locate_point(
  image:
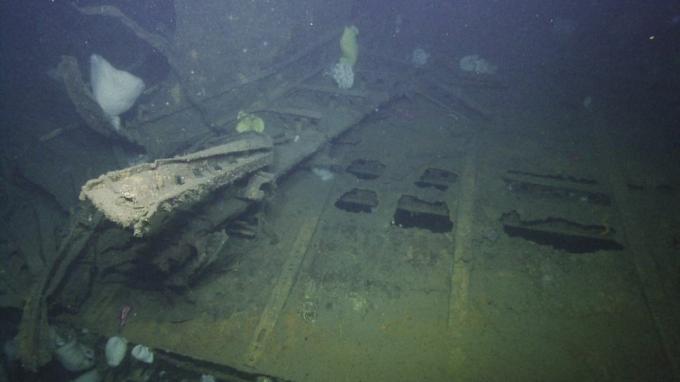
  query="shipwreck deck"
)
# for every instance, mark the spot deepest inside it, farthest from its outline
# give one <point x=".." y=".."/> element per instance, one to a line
<point x="331" y="294"/>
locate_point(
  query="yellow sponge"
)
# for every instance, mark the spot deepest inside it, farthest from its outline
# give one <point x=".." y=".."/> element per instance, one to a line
<point x="249" y="122"/>
<point x="349" y="45"/>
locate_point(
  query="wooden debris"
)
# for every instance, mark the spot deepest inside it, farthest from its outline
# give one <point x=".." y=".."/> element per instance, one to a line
<point x="303" y="113"/>
<point x="441" y="104"/>
<point x="335" y="90"/>
<point x="145" y="196"/>
<point x="208" y="249"/>
<point x="57" y="132"/>
<point x="34" y="340"/>
<point x="253" y="190"/>
<point x="157" y="41"/>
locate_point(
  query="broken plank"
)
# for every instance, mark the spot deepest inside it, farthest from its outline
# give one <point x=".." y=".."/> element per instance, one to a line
<point x="333" y="90"/>
<point x="280" y="292"/>
<point x="304" y="113"/>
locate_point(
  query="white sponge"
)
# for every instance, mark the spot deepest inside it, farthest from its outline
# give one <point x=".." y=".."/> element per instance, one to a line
<point x="114" y="90"/>
<point x="115" y="350"/>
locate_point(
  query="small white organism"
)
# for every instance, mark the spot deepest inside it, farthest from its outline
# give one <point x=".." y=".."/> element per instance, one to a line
<point x="323" y="173"/>
<point x="473" y="63"/>
<point x="419" y="57"/>
<point x="343" y="74"/>
<point x="588" y="102"/>
<point x="142" y="353"/>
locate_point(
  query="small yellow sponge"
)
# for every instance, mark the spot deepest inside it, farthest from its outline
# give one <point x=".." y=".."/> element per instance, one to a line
<point x="349" y="45"/>
<point x="249" y="122"/>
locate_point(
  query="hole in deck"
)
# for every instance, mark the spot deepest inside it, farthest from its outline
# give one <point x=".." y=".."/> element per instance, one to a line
<point x="413" y="212"/>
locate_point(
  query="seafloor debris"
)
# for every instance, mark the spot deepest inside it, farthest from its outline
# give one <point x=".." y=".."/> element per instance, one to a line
<point x="146" y="196"/>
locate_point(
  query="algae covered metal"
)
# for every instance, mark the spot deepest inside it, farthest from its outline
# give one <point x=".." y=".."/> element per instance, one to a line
<point x="146" y="196"/>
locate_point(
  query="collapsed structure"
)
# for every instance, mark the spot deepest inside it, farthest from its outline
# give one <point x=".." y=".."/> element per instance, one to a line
<point x="167" y="216"/>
